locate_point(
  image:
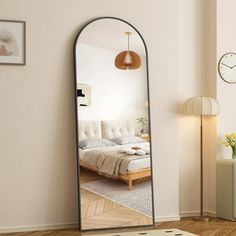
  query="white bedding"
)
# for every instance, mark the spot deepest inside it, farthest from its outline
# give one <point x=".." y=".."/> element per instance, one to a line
<point x="134" y="165"/>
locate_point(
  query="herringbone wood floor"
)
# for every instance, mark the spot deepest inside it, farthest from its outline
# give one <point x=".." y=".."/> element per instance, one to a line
<point x="99" y="212"/>
<point x="216" y="227"/>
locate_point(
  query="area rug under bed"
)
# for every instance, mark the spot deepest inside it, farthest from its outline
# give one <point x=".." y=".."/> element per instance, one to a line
<point x="138" y="199"/>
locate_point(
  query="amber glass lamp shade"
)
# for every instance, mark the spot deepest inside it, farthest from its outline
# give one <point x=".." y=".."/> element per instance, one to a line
<point x="127" y="60"/>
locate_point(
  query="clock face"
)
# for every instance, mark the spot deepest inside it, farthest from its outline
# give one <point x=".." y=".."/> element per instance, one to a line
<point x="227" y="67"/>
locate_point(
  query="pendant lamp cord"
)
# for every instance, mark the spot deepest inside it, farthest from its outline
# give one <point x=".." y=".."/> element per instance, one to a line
<point x="128" y="41"/>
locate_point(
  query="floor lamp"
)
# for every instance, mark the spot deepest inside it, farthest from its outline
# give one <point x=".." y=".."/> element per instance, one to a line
<point x="201" y="106"/>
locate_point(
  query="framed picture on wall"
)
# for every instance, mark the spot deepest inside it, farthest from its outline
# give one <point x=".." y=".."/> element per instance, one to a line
<point x="12" y="42"/>
<point x="84" y="95"/>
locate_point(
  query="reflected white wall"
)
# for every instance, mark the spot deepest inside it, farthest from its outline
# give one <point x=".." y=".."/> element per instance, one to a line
<point x="115" y="94"/>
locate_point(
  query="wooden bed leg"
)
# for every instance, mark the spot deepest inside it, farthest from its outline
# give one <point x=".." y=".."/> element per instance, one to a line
<point x="130" y="184"/>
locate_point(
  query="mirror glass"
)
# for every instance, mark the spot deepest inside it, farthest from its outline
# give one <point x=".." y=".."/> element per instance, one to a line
<point x="114" y="153"/>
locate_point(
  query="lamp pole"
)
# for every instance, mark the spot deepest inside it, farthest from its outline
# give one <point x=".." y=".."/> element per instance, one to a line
<point x="201" y="217"/>
<point x="201" y="167"/>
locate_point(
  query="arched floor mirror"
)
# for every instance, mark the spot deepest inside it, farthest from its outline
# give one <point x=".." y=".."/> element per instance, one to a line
<point x="113" y="126"/>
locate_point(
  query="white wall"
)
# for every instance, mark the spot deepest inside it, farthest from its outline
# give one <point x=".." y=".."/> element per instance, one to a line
<point x="210" y="123"/>
<point x="196" y="72"/>
<point x="191" y="59"/>
<point x="116" y="94"/>
<point x="226" y="93"/>
<point x="37" y="154"/>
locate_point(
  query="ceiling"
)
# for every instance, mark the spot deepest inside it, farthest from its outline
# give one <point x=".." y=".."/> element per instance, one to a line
<point x="109" y="33"/>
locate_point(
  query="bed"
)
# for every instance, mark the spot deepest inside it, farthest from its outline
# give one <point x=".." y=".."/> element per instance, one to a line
<point x="132" y="168"/>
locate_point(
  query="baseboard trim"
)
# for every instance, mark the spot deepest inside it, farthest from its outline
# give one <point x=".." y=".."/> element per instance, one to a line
<point x="37" y="228"/>
<point x="196" y="213"/>
<point x="211" y="213"/>
<point x="167" y="218"/>
<point x="75" y="225"/>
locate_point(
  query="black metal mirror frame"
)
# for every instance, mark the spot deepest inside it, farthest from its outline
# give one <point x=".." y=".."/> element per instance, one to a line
<point x="77" y="126"/>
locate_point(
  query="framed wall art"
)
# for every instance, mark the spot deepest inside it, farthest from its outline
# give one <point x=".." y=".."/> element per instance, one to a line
<point x="12" y="42"/>
<point x="84" y="95"/>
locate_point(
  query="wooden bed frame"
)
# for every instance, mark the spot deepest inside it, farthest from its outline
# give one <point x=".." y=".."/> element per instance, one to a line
<point x="137" y="176"/>
<point x="111" y="129"/>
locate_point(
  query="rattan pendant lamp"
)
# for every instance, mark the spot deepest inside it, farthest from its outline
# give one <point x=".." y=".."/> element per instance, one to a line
<point x="128" y="60"/>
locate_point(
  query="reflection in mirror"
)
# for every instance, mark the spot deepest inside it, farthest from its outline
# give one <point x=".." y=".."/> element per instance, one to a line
<point x="115" y="182"/>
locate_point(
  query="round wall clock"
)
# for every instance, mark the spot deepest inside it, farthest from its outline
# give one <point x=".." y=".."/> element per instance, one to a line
<point x="227" y="67"/>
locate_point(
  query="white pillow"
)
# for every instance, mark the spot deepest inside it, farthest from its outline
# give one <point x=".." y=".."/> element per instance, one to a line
<point x="141" y="152"/>
<point x="95" y="142"/>
<point x="147" y="150"/>
<point x="131" y="152"/>
<point x="127" y="139"/>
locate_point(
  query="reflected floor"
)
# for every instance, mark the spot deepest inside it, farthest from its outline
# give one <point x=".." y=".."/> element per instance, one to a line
<point x="100" y="212"/>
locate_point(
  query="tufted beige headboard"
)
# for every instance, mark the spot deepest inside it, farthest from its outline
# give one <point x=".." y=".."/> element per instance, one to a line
<point x="89" y="129"/>
<point x="117" y="128"/>
<point x="105" y="129"/>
